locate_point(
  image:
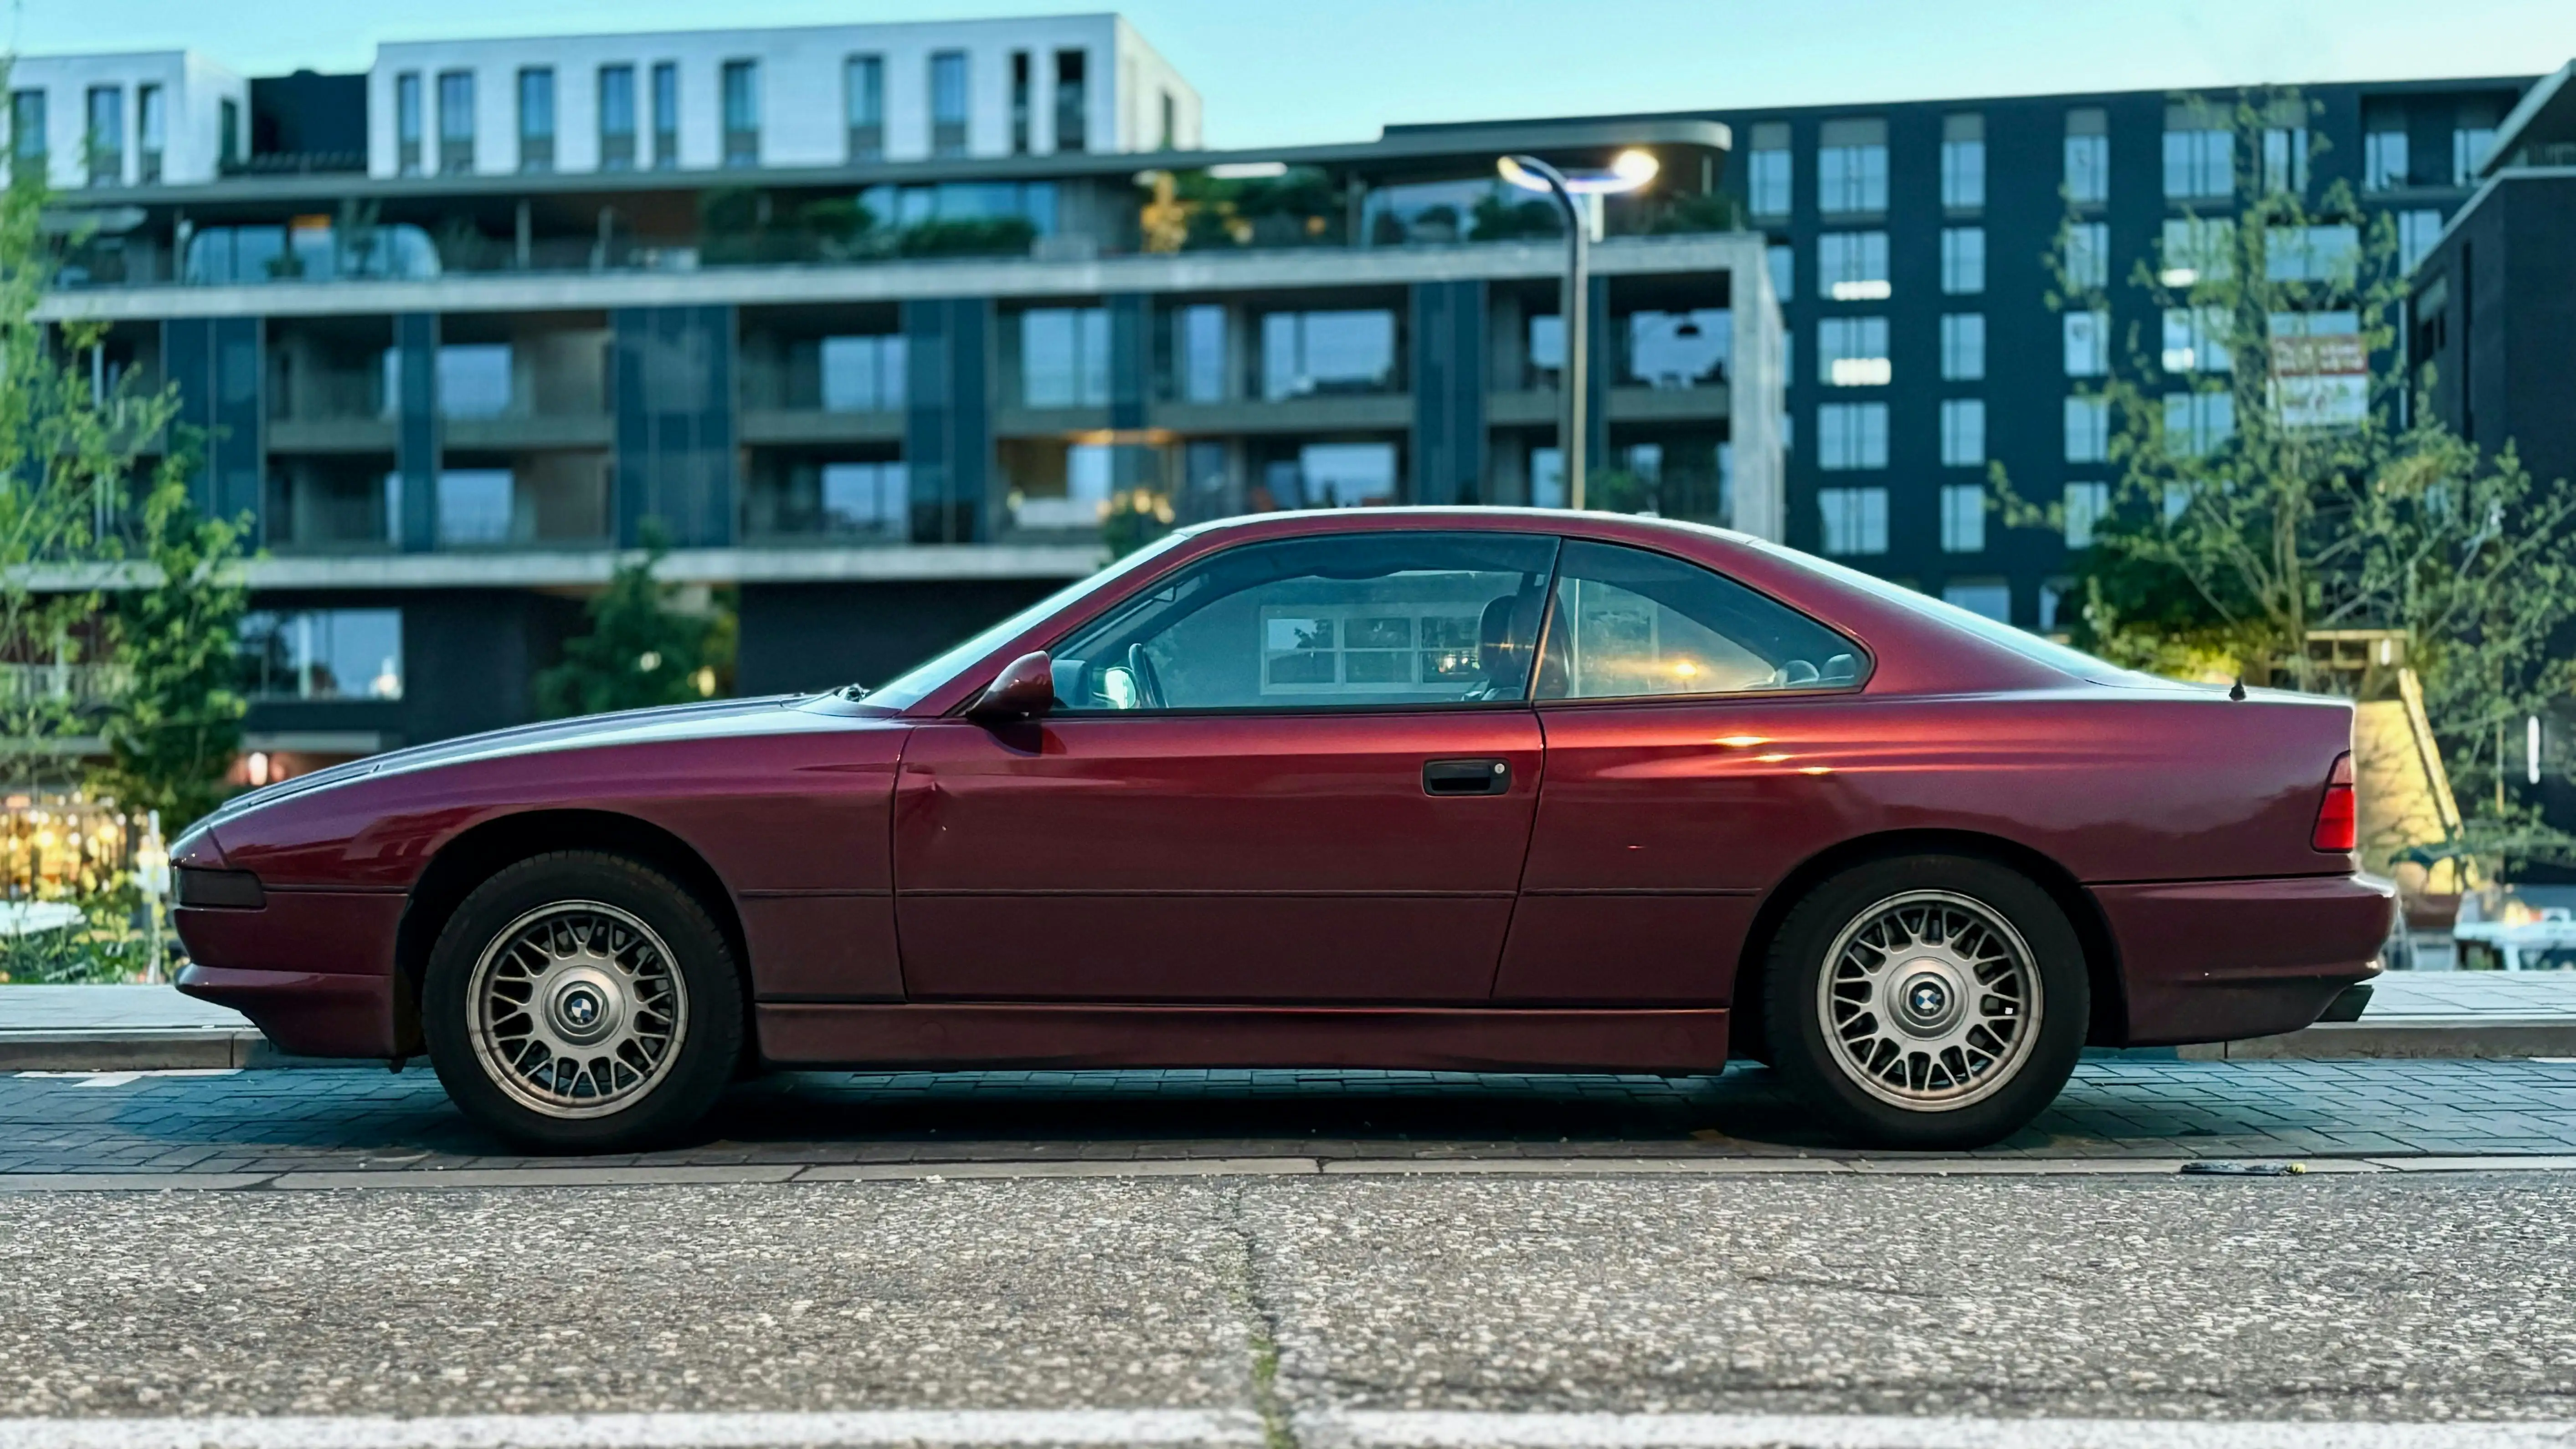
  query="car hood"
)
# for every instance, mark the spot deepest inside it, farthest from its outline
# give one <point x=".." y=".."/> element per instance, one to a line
<point x="632" y="726"/>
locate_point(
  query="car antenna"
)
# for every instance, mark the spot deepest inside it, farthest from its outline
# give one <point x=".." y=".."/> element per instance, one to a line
<point x="2237" y="690"/>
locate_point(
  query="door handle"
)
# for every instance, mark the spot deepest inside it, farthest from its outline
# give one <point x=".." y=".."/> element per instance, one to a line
<point x="1466" y="777"/>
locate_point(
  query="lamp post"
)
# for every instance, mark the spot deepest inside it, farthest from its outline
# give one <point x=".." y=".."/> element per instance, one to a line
<point x="1629" y="171"/>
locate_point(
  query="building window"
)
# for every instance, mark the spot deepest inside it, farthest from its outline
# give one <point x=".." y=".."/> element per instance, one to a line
<point x="537" y="119"/>
<point x="2088" y="256"/>
<point x="2198" y="249"/>
<point x="1021" y="81"/>
<point x="1783" y="260"/>
<point x="1353" y="475"/>
<point x="407" y="132"/>
<point x="2198" y="423"/>
<point x="151" y="132"/>
<point x="1963" y="162"/>
<point x="1963" y="432"/>
<point x="1963" y="346"/>
<point x="617" y="118"/>
<point x="27" y="133"/>
<point x="1851" y="436"/>
<point x="2416" y="233"/>
<point x="1064" y="357"/>
<point x="1852" y="351"/>
<point x="2088" y="430"/>
<point x="2285" y="159"/>
<point x="228" y="135"/>
<point x="948" y="103"/>
<point x="741" y="95"/>
<point x="323" y="653"/>
<point x="2088" y="156"/>
<point x="1767" y="174"/>
<point x="1304" y="353"/>
<point x="1851" y="266"/>
<point x="2312" y="253"/>
<point x="2196" y="340"/>
<point x="455" y="121"/>
<point x="105" y="143"/>
<point x="1851" y="167"/>
<point x="2088" y="343"/>
<point x="862" y="374"/>
<point x="1963" y="260"/>
<point x="1171" y="121"/>
<point x="2469" y="148"/>
<point x="1198" y="353"/>
<point x="863" y="93"/>
<point x="1072" y="102"/>
<point x="1991" y="598"/>
<point x="2086" y="505"/>
<point x="2383" y="160"/>
<point x="1963" y="518"/>
<point x="666" y="116"/>
<point x="1854" y="519"/>
<point x="2200" y="156"/>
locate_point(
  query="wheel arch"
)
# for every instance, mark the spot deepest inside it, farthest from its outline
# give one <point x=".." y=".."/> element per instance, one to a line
<point x="477" y="853"/>
<point x="2109" y="1025"/>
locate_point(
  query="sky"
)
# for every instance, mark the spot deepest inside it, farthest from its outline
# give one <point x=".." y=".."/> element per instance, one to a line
<point x="1336" y="70"/>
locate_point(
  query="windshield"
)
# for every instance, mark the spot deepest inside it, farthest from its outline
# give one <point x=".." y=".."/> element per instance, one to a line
<point x="910" y="687"/>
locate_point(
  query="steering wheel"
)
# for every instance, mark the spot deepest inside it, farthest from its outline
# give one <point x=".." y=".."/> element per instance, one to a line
<point x="1149" y="685"/>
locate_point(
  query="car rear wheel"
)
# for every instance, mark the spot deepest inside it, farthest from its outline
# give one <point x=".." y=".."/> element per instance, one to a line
<point x="581" y="1001"/>
<point x="1928" y="1002"/>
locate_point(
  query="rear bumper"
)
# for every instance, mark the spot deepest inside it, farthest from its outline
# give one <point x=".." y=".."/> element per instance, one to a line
<point x="2225" y="960"/>
<point x="314" y="970"/>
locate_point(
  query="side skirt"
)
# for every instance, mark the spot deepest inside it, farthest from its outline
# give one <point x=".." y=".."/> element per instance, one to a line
<point x="1489" y="1039"/>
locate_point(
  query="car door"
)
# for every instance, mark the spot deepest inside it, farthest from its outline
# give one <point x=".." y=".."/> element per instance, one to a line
<point x="1301" y="770"/>
<point x="1693" y="728"/>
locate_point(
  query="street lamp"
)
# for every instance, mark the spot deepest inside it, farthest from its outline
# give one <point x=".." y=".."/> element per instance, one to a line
<point x="1629" y="171"/>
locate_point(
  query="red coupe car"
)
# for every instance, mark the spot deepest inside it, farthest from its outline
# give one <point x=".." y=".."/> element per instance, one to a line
<point x="1470" y="788"/>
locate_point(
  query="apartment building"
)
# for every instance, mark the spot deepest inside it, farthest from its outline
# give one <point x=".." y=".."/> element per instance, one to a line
<point x="874" y="325"/>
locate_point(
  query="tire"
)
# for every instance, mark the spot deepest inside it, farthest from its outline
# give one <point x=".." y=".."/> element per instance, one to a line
<point x="1868" y="1020"/>
<point x="638" y="1019"/>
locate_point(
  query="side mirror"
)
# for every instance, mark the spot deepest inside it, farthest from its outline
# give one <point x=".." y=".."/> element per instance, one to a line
<point x="1024" y="690"/>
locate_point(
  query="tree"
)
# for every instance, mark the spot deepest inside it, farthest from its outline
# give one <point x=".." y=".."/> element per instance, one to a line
<point x="2277" y="474"/>
<point x="640" y="650"/>
<point x="177" y="724"/>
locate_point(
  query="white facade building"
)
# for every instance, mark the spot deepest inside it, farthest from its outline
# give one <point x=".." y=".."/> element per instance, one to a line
<point x="774" y="98"/>
<point x="170" y="116"/>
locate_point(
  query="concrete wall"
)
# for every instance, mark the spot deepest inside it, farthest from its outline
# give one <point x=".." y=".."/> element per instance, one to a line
<point x="194" y="86"/>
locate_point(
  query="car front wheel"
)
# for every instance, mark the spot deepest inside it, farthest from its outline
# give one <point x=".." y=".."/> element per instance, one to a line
<point x="1927" y="1002"/>
<point x="581" y="1001"/>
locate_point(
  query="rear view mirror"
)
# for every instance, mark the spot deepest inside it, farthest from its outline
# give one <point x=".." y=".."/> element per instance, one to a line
<point x="1024" y="690"/>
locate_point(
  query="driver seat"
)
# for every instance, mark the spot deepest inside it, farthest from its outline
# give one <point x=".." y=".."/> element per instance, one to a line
<point x="1498" y="654"/>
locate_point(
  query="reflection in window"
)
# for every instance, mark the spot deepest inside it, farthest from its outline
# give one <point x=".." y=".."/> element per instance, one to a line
<point x="2088" y="155"/>
<point x="2384" y="161"/>
<point x="220" y="256"/>
<point x="741" y="96"/>
<point x="2086" y="505"/>
<point x="1963" y="518"/>
<point x="1854" y="520"/>
<point x="862" y="374"/>
<point x="948" y="103"/>
<point x="1333" y="475"/>
<point x="1963" y="260"/>
<point x="2088" y="430"/>
<point x="1303" y="353"/>
<point x="2088" y="255"/>
<point x="473" y="380"/>
<point x="863" y="497"/>
<point x="1963" y="161"/>
<point x="1851" y="266"/>
<point x="324" y="653"/>
<point x="1852" y="351"/>
<point x="1851" y="166"/>
<point x="1679" y="349"/>
<point x="2087" y="337"/>
<point x="1963" y="346"/>
<point x="2200" y="154"/>
<point x="1768" y="170"/>
<point x="474" y="506"/>
<point x="1851" y="435"/>
<point x="1198" y="352"/>
<point x="1064" y="357"/>
<point x="1630" y="623"/>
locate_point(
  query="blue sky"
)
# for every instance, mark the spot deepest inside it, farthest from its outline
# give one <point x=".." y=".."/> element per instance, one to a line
<point x="1329" y="70"/>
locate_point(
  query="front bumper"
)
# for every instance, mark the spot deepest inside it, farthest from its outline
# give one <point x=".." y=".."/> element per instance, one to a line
<point x="2225" y="960"/>
<point x="314" y="970"/>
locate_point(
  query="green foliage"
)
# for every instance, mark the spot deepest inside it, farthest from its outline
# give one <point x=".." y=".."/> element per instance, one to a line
<point x="2225" y="553"/>
<point x="639" y="651"/>
<point x="112" y="943"/>
<point x="175" y="727"/>
<point x="1134" y="518"/>
<point x="1510" y="216"/>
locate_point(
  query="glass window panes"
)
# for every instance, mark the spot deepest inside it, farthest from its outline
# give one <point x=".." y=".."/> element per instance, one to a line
<point x="1198" y="353"/>
<point x="2088" y="343"/>
<point x="1853" y="520"/>
<point x="2088" y="155"/>
<point x="2285" y="159"/>
<point x="474" y="506"/>
<point x="2198" y="423"/>
<point x="1963" y="346"/>
<point x="2417" y="231"/>
<point x="1327" y="352"/>
<point x="106" y="139"/>
<point x="1851" y="167"/>
<point x="616" y="117"/>
<point x="1347" y="621"/>
<point x="864" y="497"/>
<point x="666" y="115"/>
<point x="2196" y="340"/>
<point x="1963" y="260"/>
<point x="1783" y="260"/>
<point x="2088" y="430"/>
<point x="1334" y="475"/>
<point x="2469" y="148"/>
<point x="2198" y="249"/>
<point x="1963" y="432"/>
<point x="1679" y="349"/>
<point x="1851" y="266"/>
<point x="1989" y="598"/>
<point x="1963" y="161"/>
<point x="2088" y="255"/>
<point x="2312" y="253"/>
<point x="456" y="121"/>
<point x="1852" y="351"/>
<point x="863" y="99"/>
<point x="1064" y="357"/>
<point x="1630" y="624"/>
<point x="2200" y="154"/>
<point x="473" y="379"/>
<point x="1768" y="170"/>
<point x="1963" y="518"/>
<point x="862" y="374"/>
<point x="740" y="81"/>
<point x="948" y="103"/>
<point x="2086" y="504"/>
<point x="2383" y="160"/>
<point x="536" y="119"/>
<point x="324" y="654"/>
<point x="1851" y="435"/>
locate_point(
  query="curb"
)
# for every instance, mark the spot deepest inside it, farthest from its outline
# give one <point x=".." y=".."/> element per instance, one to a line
<point x="2484" y="1039"/>
<point x="148" y="1049"/>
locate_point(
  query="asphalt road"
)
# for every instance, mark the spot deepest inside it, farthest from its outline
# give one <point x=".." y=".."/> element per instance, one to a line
<point x="1292" y="1299"/>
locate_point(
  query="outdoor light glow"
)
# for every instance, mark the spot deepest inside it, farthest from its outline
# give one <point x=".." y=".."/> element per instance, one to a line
<point x="2179" y="277"/>
<point x="1861" y="291"/>
<point x="1742" y="742"/>
<point x="1629" y="171"/>
<point x="2531" y="748"/>
<point x="1860" y="371"/>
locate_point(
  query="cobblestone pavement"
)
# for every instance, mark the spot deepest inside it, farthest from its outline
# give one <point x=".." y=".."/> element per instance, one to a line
<point x="256" y="1122"/>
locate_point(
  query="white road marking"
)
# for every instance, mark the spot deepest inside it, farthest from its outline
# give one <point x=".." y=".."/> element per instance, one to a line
<point x="1349" y="1429"/>
<point x="127" y="1079"/>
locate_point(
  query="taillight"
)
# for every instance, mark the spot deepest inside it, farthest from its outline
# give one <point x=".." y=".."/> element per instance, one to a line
<point x="2337" y="819"/>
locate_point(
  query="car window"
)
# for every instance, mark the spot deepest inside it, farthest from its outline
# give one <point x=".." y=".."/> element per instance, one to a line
<point x="908" y="688"/>
<point x="1349" y="621"/>
<point x="1628" y="623"/>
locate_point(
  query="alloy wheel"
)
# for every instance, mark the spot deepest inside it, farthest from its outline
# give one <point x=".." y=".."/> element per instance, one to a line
<point x="1929" y="1000"/>
<point x="578" y="1009"/>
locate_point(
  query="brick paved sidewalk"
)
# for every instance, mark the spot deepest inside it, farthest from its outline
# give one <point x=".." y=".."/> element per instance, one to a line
<point x="339" y="1119"/>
